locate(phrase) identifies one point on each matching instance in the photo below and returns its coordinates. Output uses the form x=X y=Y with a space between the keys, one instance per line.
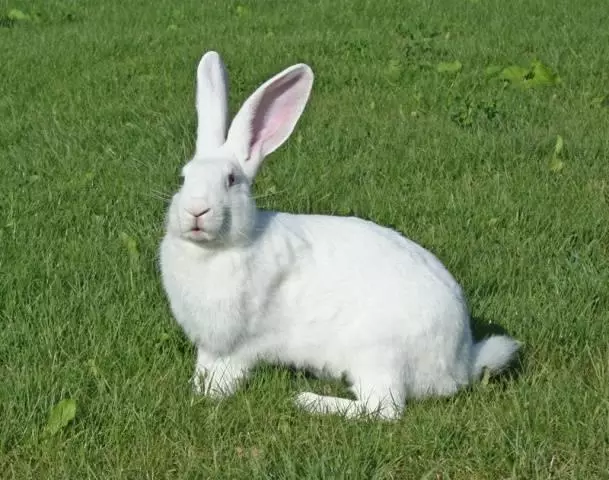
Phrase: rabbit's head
x=214 y=205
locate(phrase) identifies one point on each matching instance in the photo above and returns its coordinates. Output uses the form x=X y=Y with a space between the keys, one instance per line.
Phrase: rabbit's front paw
x=220 y=379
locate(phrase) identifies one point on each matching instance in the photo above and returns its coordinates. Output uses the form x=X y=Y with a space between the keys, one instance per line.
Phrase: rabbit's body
x=338 y=295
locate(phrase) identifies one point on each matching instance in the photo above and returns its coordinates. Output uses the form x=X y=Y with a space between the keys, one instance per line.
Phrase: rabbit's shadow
x=482 y=328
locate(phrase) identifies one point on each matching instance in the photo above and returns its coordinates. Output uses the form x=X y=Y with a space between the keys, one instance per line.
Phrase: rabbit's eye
x=231 y=179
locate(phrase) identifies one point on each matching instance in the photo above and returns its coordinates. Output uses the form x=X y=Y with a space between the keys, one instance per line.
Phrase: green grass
x=96 y=118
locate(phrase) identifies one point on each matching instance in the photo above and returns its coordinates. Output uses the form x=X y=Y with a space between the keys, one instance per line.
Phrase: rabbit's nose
x=198 y=213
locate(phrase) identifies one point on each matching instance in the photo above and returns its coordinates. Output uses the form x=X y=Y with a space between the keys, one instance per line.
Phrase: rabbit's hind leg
x=375 y=397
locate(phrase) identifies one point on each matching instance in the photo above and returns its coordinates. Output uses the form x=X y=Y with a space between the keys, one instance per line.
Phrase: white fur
x=337 y=295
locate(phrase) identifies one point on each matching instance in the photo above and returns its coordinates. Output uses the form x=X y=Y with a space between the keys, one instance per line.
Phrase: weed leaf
x=542 y=75
x=492 y=70
x=514 y=74
x=449 y=67
x=394 y=70
x=242 y=11
x=537 y=75
x=131 y=245
x=18 y=16
x=60 y=416
x=559 y=144
x=556 y=163
x=602 y=101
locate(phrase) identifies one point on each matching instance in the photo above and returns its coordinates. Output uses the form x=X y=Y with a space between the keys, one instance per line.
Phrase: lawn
x=478 y=128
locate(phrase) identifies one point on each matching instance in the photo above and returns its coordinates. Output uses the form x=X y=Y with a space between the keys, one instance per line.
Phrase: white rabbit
x=336 y=295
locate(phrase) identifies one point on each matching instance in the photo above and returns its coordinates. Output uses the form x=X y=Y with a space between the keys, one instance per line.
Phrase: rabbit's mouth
x=196 y=234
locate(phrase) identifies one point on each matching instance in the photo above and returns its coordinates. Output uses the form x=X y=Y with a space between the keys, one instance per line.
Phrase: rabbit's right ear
x=268 y=116
x=212 y=103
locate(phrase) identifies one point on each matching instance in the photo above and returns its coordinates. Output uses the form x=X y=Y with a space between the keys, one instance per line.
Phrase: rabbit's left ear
x=212 y=103
x=268 y=116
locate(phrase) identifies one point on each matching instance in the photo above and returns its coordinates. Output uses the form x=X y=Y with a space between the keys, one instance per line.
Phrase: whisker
x=269 y=194
x=160 y=195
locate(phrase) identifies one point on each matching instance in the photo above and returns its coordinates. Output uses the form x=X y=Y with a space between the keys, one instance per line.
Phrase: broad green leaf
x=559 y=144
x=344 y=210
x=394 y=70
x=541 y=75
x=162 y=339
x=93 y=367
x=492 y=70
x=131 y=244
x=514 y=74
x=538 y=75
x=18 y=15
x=602 y=101
x=60 y=416
x=449 y=67
x=556 y=163
x=242 y=11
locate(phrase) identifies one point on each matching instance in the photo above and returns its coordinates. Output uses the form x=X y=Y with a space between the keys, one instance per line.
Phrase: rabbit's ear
x=269 y=115
x=212 y=103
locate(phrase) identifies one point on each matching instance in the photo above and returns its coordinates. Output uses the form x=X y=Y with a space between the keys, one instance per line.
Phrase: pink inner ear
x=276 y=113
x=269 y=122
x=269 y=129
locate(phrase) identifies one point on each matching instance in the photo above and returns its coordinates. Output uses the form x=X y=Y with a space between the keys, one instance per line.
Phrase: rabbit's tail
x=494 y=354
